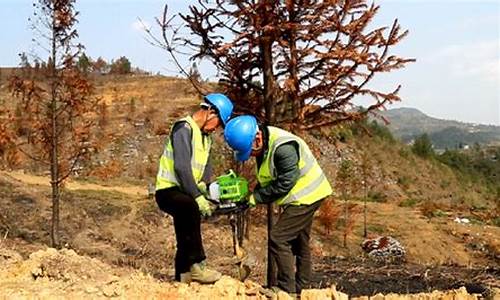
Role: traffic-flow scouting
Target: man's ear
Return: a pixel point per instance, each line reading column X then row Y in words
column 259, row 139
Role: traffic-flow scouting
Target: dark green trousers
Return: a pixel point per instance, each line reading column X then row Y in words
column 289, row 246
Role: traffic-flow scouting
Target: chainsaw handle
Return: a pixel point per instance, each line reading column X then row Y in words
column 213, row 201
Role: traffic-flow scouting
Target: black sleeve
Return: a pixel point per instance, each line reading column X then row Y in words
column 286, row 161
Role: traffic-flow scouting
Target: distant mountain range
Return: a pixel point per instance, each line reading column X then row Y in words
column 409, row 123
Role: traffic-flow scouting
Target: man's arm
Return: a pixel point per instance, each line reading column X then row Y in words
column 181, row 142
column 286, row 162
column 207, row 173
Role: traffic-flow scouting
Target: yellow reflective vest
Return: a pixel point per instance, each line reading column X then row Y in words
column 200, row 145
column 312, row 184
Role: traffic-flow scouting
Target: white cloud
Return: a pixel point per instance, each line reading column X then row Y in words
column 141, row 25
column 477, row 23
column 480, row 60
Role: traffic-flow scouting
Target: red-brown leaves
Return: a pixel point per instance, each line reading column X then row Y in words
column 322, row 53
column 328, row 215
column 55, row 109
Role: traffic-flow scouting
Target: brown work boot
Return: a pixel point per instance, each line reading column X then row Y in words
column 276, row 290
column 201, row 274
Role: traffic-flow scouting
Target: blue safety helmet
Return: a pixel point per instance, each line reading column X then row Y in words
column 223, row 105
column 239, row 134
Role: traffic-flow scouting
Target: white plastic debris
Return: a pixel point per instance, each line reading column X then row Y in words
column 462, row 220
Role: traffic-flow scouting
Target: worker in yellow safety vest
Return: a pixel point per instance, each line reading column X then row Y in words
column 289, row 175
column 183, row 171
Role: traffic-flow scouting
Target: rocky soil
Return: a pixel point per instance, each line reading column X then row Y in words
column 49, row 274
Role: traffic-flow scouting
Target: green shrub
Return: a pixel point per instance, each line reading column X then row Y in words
column 343, row 134
column 423, row 146
column 444, row 183
column 405, row 152
column 375, row 228
column 404, row 181
column 475, row 220
column 376, row 196
column 439, row 213
column 410, row 202
column 475, row 166
column 381, row 131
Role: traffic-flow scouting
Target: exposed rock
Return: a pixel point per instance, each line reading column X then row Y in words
column 9, row 257
column 282, row 296
column 50, row 274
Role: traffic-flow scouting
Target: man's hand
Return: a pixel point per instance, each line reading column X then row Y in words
column 251, row 201
column 204, row 205
column 202, row 186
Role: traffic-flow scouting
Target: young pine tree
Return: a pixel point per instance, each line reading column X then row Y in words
column 59, row 109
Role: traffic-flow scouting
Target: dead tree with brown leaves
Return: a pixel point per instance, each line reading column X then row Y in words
column 59, row 111
column 295, row 63
column 8, row 153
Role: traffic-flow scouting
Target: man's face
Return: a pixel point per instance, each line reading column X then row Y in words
column 213, row 122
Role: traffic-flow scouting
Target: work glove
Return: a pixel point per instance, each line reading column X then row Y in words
column 204, row 206
column 251, row 201
column 202, row 187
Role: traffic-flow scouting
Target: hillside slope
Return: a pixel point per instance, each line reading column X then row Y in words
column 128, row 231
column 106, row 213
column 409, row 123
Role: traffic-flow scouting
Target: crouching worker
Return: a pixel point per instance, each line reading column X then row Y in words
column 288, row 174
column 181, row 184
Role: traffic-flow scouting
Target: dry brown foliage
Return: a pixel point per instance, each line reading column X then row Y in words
column 353, row 211
column 431, row 208
column 295, row 62
column 328, row 215
column 107, row 171
column 13, row 157
column 6, row 134
column 58, row 110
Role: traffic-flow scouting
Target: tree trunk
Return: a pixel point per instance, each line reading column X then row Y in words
column 54, row 159
column 54, row 233
column 365, row 211
column 296, row 104
column 269, row 84
column 271, row 266
column 266, row 52
column 346, row 220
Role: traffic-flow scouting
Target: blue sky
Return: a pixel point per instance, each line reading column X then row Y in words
column 456, row 44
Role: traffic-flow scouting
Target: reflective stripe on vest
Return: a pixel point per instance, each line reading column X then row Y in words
column 312, row 184
column 200, row 148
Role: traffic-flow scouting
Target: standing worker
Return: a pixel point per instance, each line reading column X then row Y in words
column 288, row 174
column 181, row 184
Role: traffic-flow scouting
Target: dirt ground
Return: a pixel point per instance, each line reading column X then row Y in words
column 358, row 278
column 49, row 274
column 125, row 230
